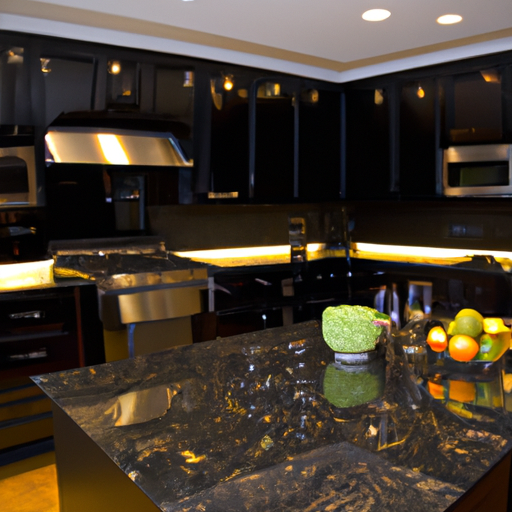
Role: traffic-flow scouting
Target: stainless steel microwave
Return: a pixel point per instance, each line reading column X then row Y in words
column 483, row 170
column 18, row 183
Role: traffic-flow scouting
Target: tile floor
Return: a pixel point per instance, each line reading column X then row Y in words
column 30, row 485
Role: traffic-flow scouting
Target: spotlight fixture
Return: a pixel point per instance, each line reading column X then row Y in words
column 376, row 15
column 15, row 55
column 188, row 79
column 45, row 63
column 114, row 67
column 491, row 75
column 228, row 82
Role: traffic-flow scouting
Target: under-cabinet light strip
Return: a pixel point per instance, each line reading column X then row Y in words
column 243, row 252
column 427, row 252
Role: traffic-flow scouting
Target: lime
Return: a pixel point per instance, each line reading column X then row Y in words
column 468, row 325
column 470, row 312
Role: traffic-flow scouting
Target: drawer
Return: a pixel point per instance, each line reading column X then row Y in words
column 25, row 415
column 25, row 356
column 31, row 406
column 28, row 313
column 30, row 429
column 18, row 389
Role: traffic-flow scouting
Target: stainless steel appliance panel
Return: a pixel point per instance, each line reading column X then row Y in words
column 478, row 170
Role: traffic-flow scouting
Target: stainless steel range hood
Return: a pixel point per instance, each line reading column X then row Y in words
column 116, row 138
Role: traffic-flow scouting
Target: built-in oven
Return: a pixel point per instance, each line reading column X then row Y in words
column 478, row 170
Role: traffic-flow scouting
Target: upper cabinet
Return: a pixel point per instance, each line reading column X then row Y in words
column 320, row 144
column 368, row 147
column 275, row 139
column 417, row 138
column 477, row 106
column 15, row 93
column 67, row 85
column 397, row 126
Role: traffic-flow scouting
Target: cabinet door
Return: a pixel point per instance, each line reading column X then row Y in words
column 320, row 145
column 229, row 156
column 368, row 144
column 174, row 97
column 68, row 85
column 476, row 107
column 275, row 148
column 15, row 97
column 417, row 139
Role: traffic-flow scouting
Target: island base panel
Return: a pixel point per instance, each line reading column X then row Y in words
column 88, row 479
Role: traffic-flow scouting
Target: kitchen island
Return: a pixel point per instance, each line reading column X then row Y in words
column 266, row 421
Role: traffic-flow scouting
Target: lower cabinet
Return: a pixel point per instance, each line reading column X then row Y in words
column 41, row 331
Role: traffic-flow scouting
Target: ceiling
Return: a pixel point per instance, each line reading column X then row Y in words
column 324, row 39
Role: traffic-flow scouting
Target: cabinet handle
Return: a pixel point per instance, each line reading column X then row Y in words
column 36, row 354
column 27, row 314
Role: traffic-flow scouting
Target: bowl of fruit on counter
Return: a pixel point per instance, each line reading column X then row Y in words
column 470, row 338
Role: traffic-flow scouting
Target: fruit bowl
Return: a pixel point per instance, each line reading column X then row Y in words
column 470, row 339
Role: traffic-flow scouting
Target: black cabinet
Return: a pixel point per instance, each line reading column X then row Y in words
column 320, row 144
column 275, row 140
column 417, row 138
column 477, row 106
column 67, row 85
column 368, row 146
column 41, row 331
column 398, row 125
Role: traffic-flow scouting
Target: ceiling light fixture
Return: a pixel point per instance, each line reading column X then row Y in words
column 376, row 15
column 449, row 19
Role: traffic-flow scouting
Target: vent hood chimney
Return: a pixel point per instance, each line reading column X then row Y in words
column 116, row 138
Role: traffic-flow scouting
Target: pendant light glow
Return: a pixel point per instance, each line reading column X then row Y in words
column 449, row 19
column 376, row 15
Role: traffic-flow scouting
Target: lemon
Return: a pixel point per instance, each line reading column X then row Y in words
column 468, row 325
column 470, row 312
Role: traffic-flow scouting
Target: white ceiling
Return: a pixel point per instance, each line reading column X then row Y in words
column 324, row 39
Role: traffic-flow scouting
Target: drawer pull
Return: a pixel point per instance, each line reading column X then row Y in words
column 27, row 314
column 36, row 354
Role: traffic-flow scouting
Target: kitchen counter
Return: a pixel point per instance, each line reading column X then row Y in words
column 264, row 421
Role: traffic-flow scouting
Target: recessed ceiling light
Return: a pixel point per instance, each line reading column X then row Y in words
column 449, row 19
column 376, row 15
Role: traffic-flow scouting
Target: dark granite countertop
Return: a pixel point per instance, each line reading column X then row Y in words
column 263, row 421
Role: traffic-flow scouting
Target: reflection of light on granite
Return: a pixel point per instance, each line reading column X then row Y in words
column 191, row 457
column 26, row 275
column 141, row 406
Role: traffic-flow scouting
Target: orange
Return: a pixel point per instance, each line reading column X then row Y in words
column 437, row 339
column 462, row 347
column 436, row 390
column 462, row 391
